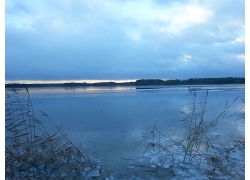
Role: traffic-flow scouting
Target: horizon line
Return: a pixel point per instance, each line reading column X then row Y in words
column 68, row 81
column 90, row 81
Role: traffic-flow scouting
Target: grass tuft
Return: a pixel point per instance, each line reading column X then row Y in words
column 199, row 150
column 34, row 150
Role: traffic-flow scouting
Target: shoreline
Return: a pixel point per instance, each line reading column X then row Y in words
column 141, row 82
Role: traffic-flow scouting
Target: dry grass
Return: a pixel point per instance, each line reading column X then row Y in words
column 211, row 161
column 36, row 151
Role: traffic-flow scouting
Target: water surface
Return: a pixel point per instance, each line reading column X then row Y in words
column 115, row 122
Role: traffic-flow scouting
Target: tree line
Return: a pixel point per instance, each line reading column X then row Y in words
column 191, row 81
column 143, row 82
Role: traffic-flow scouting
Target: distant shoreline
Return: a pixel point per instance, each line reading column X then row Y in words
column 141, row 82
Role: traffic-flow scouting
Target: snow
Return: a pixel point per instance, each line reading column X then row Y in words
column 167, row 157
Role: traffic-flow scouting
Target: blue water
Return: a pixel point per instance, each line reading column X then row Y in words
column 115, row 122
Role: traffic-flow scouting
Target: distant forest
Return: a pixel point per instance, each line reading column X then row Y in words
column 191, row 81
column 144, row 82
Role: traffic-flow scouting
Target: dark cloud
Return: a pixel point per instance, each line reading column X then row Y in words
column 124, row 40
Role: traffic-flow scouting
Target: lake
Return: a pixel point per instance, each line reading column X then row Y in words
column 114, row 124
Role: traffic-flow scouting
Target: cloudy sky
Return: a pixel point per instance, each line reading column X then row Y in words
column 124, row 39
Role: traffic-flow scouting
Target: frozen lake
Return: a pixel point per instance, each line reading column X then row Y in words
column 114, row 123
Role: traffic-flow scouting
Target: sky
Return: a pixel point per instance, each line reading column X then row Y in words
column 123, row 40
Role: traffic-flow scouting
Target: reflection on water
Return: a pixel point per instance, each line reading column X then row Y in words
column 102, row 89
column 127, row 107
column 80, row 89
column 115, row 122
